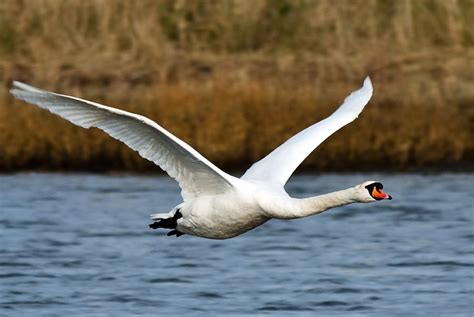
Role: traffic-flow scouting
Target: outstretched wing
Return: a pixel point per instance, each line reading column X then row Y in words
column 194, row 173
column 278, row 166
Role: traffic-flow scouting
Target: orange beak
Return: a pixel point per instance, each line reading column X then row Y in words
column 380, row 194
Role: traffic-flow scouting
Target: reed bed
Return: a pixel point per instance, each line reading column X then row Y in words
column 236, row 78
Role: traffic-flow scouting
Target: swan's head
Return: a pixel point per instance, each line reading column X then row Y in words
column 371, row 191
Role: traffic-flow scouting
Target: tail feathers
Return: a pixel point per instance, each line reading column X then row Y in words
column 160, row 216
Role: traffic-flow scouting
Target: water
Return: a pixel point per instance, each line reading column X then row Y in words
column 79, row 245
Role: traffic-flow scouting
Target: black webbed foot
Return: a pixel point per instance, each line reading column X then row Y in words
column 168, row 223
column 175, row 232
column 154, row 225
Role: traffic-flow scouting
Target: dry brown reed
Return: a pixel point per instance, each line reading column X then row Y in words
column 236, row 78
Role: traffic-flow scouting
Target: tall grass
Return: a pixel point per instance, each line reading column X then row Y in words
column 236, row 78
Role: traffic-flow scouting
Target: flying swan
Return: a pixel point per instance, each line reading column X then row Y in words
column 215, row 204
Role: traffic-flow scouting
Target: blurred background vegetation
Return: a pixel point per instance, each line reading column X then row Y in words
column 235, row 78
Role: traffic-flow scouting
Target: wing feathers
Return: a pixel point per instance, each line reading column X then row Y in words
column 194, row 173
column 278, row 166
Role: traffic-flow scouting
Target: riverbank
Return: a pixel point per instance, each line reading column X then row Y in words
column 234, row 101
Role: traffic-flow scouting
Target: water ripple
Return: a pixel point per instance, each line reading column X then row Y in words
column 80, row 244
column 168, row 280
column 431, row 263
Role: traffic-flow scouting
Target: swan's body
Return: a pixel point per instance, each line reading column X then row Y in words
column 215, row 204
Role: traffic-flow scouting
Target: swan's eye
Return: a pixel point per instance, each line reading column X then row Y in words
column 376, row 192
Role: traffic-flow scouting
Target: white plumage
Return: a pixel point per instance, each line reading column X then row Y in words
column 216, row 204
column 194, row 173
column 278, row 166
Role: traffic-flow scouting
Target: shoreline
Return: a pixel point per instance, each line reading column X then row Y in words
column 467, row 168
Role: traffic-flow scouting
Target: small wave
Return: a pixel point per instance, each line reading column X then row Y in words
column 282, row 307
column 12, row 275
column 359, row 308
column 331, row 281
column 15, row 292
column 23, row 224
column 35, row 302
column 14, row 205
column 431, row 291
column 331, row 303
column 281, row 248
column 285, row 230
column 433, row 263
column 14, row 264
column 43, row 198
column 209, row 295
column 168, row 280
column 346, row 290
column 187, row 265
column 355, row 266
column 124, row 299
column 57, row 243
column 337, row 290
column 44, row 252
column 72, row 263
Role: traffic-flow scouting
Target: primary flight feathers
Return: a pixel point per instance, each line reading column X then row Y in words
column 194, row 173
column 278, row 166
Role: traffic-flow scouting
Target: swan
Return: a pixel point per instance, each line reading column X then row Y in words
column 215, row 204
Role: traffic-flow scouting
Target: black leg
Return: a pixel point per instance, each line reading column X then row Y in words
column 154, row 225
column 169, row 223
column 175, row 232
column 164, row 223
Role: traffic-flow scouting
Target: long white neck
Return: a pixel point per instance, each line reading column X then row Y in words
column 299, row 208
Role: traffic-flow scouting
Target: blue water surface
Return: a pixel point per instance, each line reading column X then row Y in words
column 79, row 245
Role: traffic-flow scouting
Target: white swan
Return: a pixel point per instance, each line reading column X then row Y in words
column 217, row 205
